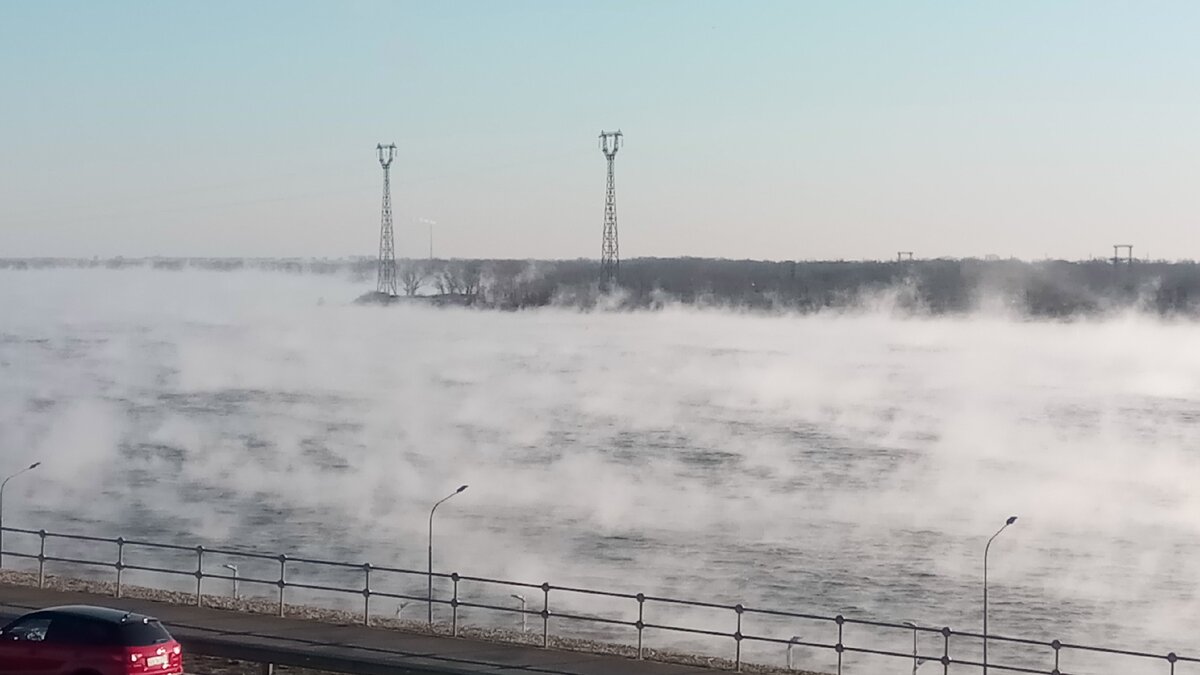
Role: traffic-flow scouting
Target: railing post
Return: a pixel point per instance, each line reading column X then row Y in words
column 641, row 622
column 454, row 605
column 120, row 562
column 1055, row 645
column 42, row 559
column 199, row 575
column 366, row 594
column 282, row 583
column 545, row 614
column 840, row 646
column 946, row 650
column 1171, row 659
column 737, row 639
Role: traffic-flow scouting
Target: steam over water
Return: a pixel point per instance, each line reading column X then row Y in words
column 852, row 463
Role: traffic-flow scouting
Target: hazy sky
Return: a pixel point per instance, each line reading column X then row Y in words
column 784, row 130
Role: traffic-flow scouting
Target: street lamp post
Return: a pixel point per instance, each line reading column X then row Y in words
column 524, row 619
column 234, row 569
column 4, row 484
column 791, row 642
column 1010, row 521
column 916, row 661
column 429, row 597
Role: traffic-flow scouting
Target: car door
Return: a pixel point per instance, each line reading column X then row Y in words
column 70, row 645
column 14, row 653
column 23, row 648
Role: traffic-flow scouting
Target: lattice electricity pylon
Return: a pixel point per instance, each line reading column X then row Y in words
column 610, row 258
column 1118, row 259
column 387, row 243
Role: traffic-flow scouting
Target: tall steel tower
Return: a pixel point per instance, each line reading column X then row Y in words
column 610, row 259
column 387, row 244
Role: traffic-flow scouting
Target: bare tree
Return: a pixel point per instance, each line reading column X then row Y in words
column 472, row 274
column 413, row 277
column 449, row 280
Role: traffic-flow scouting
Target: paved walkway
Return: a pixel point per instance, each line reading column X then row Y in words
column 340, row 648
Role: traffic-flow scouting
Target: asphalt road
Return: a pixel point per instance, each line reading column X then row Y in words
column 341, row 648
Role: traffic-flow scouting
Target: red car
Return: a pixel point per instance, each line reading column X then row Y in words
column 93, row 640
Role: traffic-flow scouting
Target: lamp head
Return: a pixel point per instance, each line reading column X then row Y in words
column 1011, row 520
column 465, row 487
column 34, row 466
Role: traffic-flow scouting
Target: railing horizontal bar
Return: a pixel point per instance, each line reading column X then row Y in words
column 494, row 608
column 331, row 589
column 688, row 603
column 882, row 652
column 73, row 561
column 594, row 619
column 794, row 615
column 497, row 582
column 1121, row 652
column 327, row 563
column 160, row 570
column 244, row 580
column 156, row 545
column 798, row 643
column 1002, row 638
column 78, row 537
column 591, row 591
column 401, row 570
column 398, row 596
column 21, row 530
column 694, row 631
column 896, row 626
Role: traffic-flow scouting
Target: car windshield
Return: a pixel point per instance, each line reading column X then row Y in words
column 142, row 634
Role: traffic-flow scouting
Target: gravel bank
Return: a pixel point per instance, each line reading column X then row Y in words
column 255, row 605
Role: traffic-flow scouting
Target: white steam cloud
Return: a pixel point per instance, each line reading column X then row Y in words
column 812, row 463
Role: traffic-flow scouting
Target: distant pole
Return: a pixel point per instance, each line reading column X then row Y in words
column 524, row 619
column 916, row 663
column 610, row 258
column 387, row 243
column 1010, row 521
column 429, row 225
column 791, row 643
column 3, row 485
column 429, row 598
column 234, row 569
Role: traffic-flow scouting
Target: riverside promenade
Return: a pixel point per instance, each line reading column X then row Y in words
column 338, row 648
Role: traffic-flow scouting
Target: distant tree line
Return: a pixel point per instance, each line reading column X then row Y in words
column 1051, row 288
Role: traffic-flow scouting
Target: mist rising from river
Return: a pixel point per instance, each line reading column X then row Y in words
column 832, row 462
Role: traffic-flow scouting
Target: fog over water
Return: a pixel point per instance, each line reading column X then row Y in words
column 852, row 462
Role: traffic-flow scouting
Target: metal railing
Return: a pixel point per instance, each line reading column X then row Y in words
column 953, row 650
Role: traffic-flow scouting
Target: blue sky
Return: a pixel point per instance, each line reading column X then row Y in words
column 781, row 130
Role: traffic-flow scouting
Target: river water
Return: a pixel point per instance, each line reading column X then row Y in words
column 849, row 463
